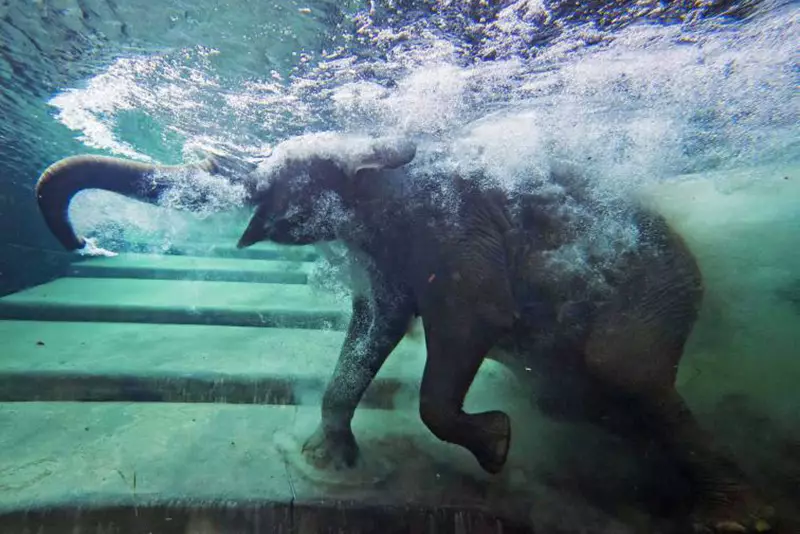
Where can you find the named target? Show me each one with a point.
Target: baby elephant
(484, 267)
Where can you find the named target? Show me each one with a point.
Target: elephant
(474, 261)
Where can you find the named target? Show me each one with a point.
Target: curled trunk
(60, 182)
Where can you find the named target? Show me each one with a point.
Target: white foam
(627, 108)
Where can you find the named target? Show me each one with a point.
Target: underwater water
(182, 374)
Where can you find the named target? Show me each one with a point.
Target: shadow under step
(253, 517)
(37, 386)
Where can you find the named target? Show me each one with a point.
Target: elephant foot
(331, 450)
(492, 440)
(332, 459)
(739, 515)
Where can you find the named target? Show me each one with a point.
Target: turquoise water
(192, 360)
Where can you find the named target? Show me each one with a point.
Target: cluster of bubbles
(627, 93)
(200, 192)
(612, 80)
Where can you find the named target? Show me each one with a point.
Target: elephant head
(300, 188)
(293, 190)
(60, 182)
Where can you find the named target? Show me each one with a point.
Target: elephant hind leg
(636, 357)
(725, 502)
(455, 353)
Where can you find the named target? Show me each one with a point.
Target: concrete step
(89, 467)
(168, 267)
(224, 249)
(176, 302)
(68, 361)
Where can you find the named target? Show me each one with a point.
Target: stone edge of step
(324, 319)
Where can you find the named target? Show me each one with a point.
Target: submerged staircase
(144, 393)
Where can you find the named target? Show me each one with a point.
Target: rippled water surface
(638, 92)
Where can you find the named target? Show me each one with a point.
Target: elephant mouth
(280, 231)
(286, 232)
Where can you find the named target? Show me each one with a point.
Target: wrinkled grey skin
(473, 267)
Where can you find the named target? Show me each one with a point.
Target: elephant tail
(60, 182)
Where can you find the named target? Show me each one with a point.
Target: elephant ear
(349, 153)
(379, 153)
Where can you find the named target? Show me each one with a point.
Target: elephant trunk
(60, 182)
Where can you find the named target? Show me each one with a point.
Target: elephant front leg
(376, 327)
(456, 349)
